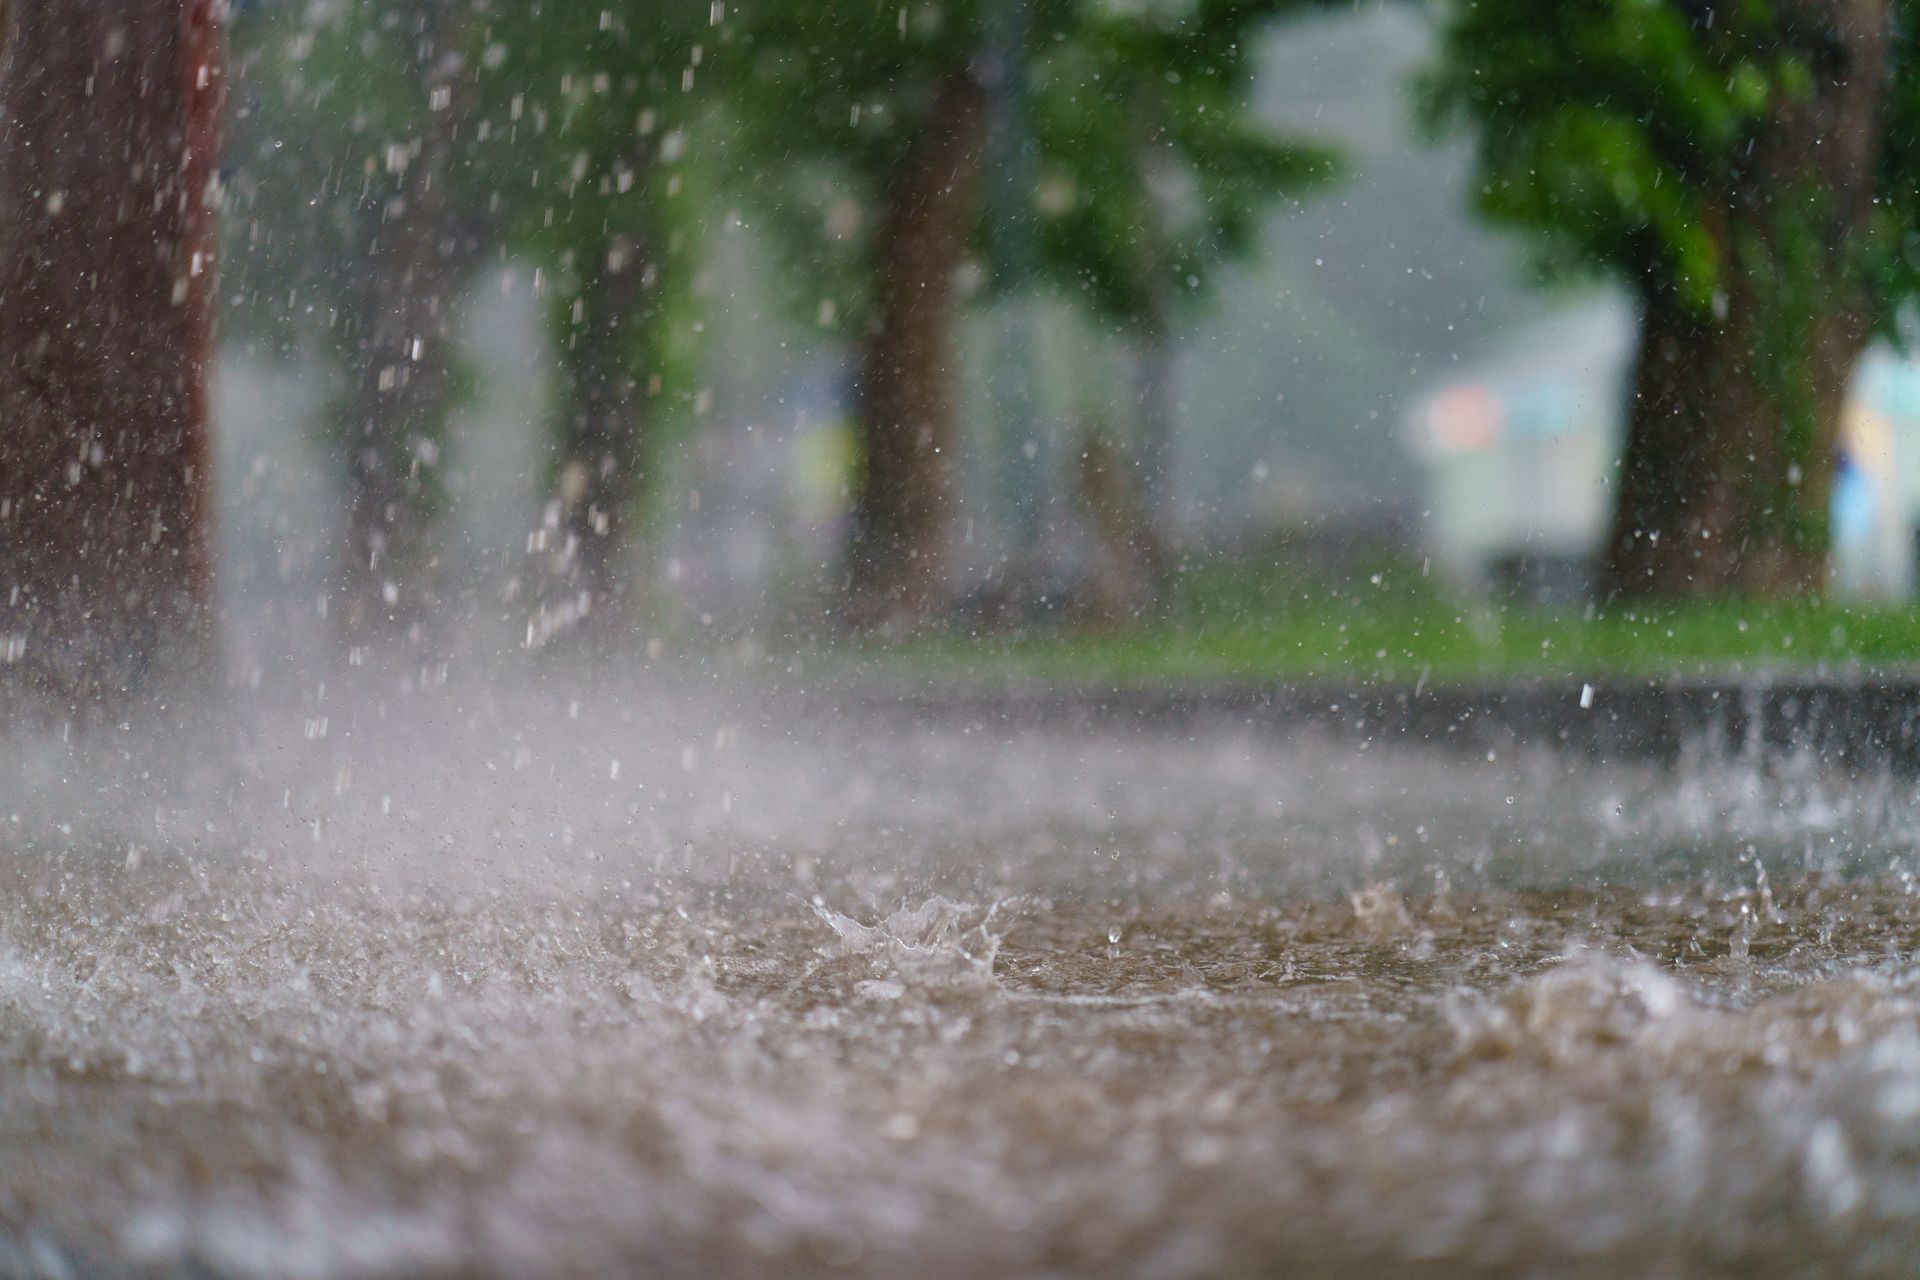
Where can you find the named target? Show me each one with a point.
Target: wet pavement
(588, 980)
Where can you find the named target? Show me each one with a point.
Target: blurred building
(1518, 455)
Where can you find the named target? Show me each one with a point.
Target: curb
(1855, 725)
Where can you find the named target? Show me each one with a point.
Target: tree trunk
(601, 471)
(403, 373)
(1734, 421)
(1713, 496)
(898, 560)
(1125, 572)
(109, 124)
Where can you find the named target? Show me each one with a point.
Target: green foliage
(850, 83)
(1153, 171)
(1601, 122)
(597, 141)
(825, 100)
(322, 100)
(333, 103)
(1623, 133)
(1149, 169)
(584, 116)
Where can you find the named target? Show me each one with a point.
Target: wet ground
(592, 979)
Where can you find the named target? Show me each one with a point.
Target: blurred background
(1110, 339)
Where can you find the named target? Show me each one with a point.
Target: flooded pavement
(580, 981)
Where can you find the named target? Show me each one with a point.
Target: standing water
(418, 979)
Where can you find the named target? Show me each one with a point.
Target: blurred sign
(1462, 419)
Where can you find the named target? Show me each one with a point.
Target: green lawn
(1230, 621)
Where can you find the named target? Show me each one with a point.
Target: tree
(354, 134)
(337, 192)
(897, 563)
(589, 111)
(109, 127)
(1747, 168)
(1155, 176)
(424, 244)
(886, 102)
(893, 101)
(426, 134)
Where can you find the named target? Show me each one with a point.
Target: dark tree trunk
(1713, 498)
(1665, 468)
(109, 123)
(1733, 424)
(898, 560)
(403, 371)
(1122, 583)
(601, 470)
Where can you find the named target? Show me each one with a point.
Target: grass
(1386, 621)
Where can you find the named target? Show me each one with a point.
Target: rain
(1150, 638)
